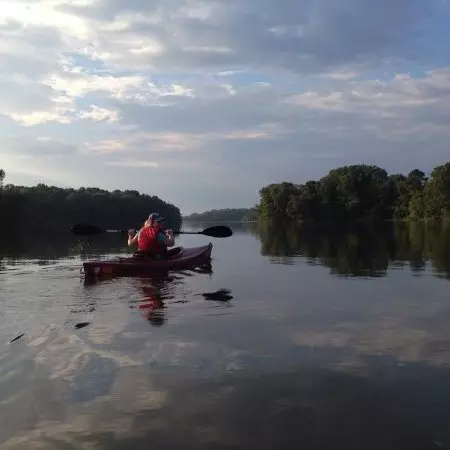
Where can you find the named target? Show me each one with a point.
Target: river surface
(297, 338)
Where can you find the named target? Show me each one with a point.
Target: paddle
(218, 231)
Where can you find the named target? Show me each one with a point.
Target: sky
(204, 102)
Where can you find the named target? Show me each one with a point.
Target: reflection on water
(44, 249)
(222, 295)
(297, 338)
(152, 304)
(364, 250)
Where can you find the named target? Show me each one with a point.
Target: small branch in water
(17, 338)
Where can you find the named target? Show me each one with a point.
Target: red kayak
(179, 258)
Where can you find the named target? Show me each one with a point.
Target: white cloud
(44, 14)
(153, 142)
(301, 36)
(30, 103)
(104, 147)
(99, 114)
(134, 163)
(316, 100)
(38, 146)
(264, 132)
(75, 84)
(228, 73)
(402, 96)
(340, 75)
(241, 87)
(39, 117)
(171, 143)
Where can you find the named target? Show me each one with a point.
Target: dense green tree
(437, 192)
(224, 215)
(417, 180)
(358, 192)
(275, 199)
(54, 208)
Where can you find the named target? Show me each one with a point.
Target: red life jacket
(148, 240)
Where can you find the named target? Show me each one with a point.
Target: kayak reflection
(158, 290)
(152, 304)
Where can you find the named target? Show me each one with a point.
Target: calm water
(299, 338)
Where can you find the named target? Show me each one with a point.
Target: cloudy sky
(202, 102)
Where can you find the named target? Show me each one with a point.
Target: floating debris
(17, 338)
(80, 325)
(222, 295)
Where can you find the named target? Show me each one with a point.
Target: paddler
(153, 238)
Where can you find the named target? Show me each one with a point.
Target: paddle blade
(218, 231)
(86, 229)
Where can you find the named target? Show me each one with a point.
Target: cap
(155, 217)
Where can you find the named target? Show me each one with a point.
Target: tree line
(53, 208)
(224, 215)
(359, 192)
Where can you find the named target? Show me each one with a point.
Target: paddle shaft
(218, 231)
(175, 232)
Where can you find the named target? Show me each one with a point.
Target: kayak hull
(183, 258)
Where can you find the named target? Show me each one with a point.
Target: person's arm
(169, 239)
(132, 239)
(166, 238)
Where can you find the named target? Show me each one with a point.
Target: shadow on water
(360, 250)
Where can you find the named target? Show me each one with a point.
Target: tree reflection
(361, 249)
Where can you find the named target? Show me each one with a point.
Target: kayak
(178, 259)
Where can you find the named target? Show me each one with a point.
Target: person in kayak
(153, 238)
